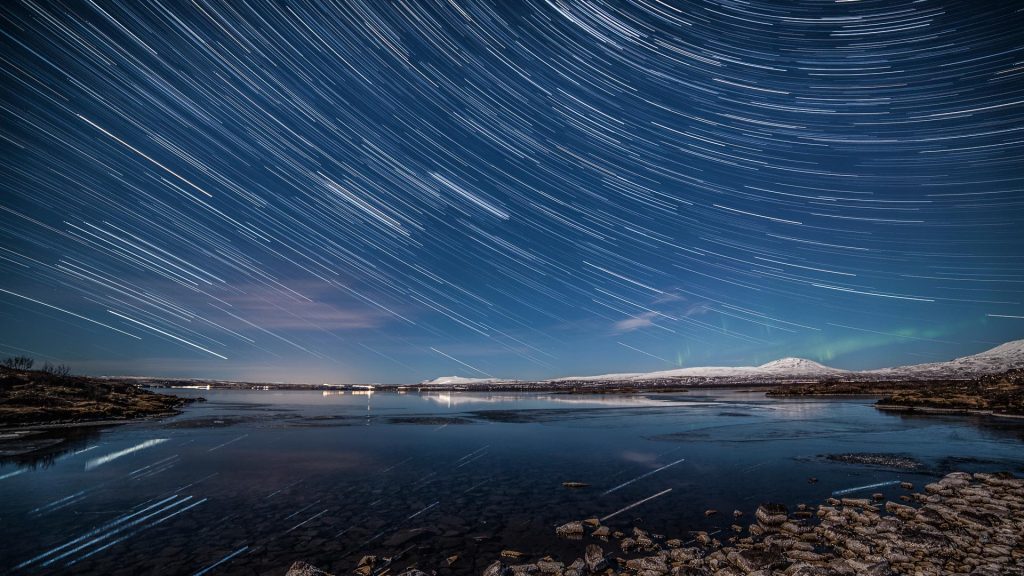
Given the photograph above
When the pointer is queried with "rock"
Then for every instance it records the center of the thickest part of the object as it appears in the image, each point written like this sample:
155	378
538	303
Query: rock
805	569
365	565
962	525
771	514
654	564
805	555
548	565
859	503
906	485
593	557
303	569
710	513
511	554
570	529
593	522
575	484
524	569
452	559
602	532
496	568
754	559
627	544
737	514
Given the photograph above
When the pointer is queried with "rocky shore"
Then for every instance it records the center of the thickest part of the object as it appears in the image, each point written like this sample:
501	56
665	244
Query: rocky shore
34	398
962	524
996	394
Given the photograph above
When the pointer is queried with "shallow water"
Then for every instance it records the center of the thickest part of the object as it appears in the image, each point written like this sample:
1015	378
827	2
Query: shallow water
250	481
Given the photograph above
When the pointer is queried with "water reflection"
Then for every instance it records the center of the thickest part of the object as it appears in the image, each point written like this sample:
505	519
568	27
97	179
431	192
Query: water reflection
286	475
43	448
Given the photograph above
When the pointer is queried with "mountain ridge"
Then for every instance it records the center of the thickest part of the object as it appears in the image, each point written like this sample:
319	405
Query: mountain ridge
998	359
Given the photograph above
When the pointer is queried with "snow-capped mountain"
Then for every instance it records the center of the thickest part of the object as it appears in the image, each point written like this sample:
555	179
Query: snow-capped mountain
798	367
783	368
999	359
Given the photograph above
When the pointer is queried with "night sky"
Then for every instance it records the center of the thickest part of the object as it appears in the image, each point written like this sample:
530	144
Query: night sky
386	191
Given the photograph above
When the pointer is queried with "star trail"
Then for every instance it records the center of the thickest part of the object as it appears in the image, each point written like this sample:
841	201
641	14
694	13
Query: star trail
359	191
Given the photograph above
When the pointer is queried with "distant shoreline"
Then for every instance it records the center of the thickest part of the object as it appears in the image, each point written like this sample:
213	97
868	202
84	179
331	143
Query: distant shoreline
684	384
997	394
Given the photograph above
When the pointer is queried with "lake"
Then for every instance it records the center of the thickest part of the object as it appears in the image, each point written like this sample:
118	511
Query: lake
250	481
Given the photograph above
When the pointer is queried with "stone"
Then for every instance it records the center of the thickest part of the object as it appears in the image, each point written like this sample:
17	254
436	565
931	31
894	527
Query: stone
627	544
654	564
550	566
365	565
570	529
511	554
593	557
303	569
771	514
496	568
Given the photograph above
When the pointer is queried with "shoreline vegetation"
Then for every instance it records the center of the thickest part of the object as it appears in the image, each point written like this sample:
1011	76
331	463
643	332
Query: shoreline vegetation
962	524
44	413
39	398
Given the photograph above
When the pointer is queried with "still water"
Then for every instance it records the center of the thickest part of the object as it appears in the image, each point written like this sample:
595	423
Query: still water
250	481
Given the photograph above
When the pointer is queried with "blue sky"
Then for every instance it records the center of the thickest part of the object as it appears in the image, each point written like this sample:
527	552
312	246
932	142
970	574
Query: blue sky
387	192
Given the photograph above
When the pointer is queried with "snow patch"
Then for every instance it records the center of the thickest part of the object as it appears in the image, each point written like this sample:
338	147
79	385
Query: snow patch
457	380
